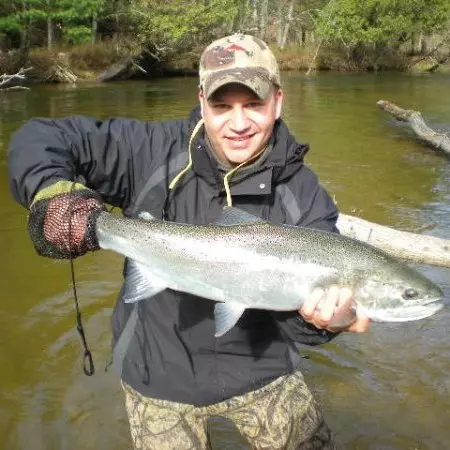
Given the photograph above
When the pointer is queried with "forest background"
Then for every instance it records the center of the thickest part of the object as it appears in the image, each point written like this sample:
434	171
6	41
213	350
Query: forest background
83	38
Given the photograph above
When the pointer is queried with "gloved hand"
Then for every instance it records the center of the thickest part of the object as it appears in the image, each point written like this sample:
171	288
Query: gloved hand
62	220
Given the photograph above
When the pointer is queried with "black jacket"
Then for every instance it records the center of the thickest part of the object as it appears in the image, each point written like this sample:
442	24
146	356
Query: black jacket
173	353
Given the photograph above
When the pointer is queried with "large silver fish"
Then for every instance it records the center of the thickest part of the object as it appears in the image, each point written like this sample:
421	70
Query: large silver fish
244	262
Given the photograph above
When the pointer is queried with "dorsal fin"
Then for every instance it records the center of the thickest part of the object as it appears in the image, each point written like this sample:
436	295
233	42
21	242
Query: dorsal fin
145	215
235	216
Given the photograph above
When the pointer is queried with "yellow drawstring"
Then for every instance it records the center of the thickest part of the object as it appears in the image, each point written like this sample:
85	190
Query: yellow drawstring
227	175
189	165
232	171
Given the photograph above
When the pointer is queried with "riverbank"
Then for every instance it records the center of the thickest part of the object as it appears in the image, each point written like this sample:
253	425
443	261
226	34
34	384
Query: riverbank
107	60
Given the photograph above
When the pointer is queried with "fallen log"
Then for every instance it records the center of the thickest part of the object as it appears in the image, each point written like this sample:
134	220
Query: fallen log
11	81
120	70
440	141
409	246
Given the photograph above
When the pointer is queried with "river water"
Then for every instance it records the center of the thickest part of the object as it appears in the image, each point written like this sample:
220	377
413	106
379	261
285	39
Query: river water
386	389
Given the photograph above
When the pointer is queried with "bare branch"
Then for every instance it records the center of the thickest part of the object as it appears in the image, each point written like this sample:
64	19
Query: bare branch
138	67
319	45
440	141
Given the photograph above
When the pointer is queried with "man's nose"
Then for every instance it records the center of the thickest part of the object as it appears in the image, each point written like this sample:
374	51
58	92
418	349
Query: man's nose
239	120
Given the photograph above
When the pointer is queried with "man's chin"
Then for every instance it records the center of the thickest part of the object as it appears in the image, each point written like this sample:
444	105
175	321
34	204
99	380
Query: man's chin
236	157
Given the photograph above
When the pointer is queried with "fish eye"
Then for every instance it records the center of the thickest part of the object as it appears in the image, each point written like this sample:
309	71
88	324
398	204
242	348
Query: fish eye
410	294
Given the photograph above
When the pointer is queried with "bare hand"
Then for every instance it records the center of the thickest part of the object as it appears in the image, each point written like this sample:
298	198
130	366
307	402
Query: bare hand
337	304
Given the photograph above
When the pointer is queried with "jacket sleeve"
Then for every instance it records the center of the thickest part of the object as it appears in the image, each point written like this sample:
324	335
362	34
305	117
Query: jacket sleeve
315	209
296	329
110	156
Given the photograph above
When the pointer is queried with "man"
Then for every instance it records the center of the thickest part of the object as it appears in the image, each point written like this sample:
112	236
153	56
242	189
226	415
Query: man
234	149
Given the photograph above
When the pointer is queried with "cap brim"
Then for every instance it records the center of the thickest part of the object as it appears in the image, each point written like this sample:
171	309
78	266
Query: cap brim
255	79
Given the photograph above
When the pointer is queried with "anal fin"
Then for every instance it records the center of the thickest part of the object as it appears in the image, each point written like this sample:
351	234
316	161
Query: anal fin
226	315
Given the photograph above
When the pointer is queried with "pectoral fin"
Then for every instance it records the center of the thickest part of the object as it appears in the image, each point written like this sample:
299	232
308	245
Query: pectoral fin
226	315
139	283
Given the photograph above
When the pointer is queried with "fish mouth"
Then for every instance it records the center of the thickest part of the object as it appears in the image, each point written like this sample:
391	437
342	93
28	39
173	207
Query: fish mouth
407	313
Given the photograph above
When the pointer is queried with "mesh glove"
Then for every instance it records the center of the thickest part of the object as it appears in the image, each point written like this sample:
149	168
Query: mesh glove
62	220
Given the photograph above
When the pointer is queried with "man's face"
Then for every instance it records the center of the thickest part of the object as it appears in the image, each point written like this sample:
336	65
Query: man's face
238	123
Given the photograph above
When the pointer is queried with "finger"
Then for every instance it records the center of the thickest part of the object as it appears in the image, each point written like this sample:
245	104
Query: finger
311	304
345	298
329	305
344	314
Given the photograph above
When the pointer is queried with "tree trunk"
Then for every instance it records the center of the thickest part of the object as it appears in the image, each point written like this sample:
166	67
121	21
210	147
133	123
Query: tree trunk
313	61
263	19
49	34
255	12
287	25
24	39
414	247
280	23
94	28
439	141
240	19
24	44
416	43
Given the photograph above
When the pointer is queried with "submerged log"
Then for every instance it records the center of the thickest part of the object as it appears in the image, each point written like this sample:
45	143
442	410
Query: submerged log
409	246
439	141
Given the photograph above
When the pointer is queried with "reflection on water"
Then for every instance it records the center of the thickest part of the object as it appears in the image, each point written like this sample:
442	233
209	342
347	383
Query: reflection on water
388	389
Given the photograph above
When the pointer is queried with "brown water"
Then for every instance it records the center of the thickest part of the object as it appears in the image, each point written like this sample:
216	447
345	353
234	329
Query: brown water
387	389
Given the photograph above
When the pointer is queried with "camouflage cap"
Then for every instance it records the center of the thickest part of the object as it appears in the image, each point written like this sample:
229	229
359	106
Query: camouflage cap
242	59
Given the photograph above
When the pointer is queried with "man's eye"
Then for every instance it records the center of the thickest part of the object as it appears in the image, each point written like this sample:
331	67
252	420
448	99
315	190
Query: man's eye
254	105
219	106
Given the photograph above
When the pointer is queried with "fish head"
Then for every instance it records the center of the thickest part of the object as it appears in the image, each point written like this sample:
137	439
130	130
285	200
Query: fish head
398	293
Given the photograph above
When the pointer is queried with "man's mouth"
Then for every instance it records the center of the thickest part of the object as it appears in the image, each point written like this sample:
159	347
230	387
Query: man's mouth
240	142
240	138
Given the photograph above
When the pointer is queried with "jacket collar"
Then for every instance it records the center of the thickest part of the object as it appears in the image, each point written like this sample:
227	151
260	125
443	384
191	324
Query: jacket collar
281	162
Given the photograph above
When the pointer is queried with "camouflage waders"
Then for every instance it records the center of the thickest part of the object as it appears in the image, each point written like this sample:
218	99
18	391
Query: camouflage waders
281	415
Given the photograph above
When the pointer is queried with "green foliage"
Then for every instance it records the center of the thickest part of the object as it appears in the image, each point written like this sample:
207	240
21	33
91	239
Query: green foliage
16	14
10	23
175	24
71	11
356	22
73	16
77	34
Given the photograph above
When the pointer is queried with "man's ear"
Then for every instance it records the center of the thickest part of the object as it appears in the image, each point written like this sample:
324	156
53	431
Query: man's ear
279	96
201	99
